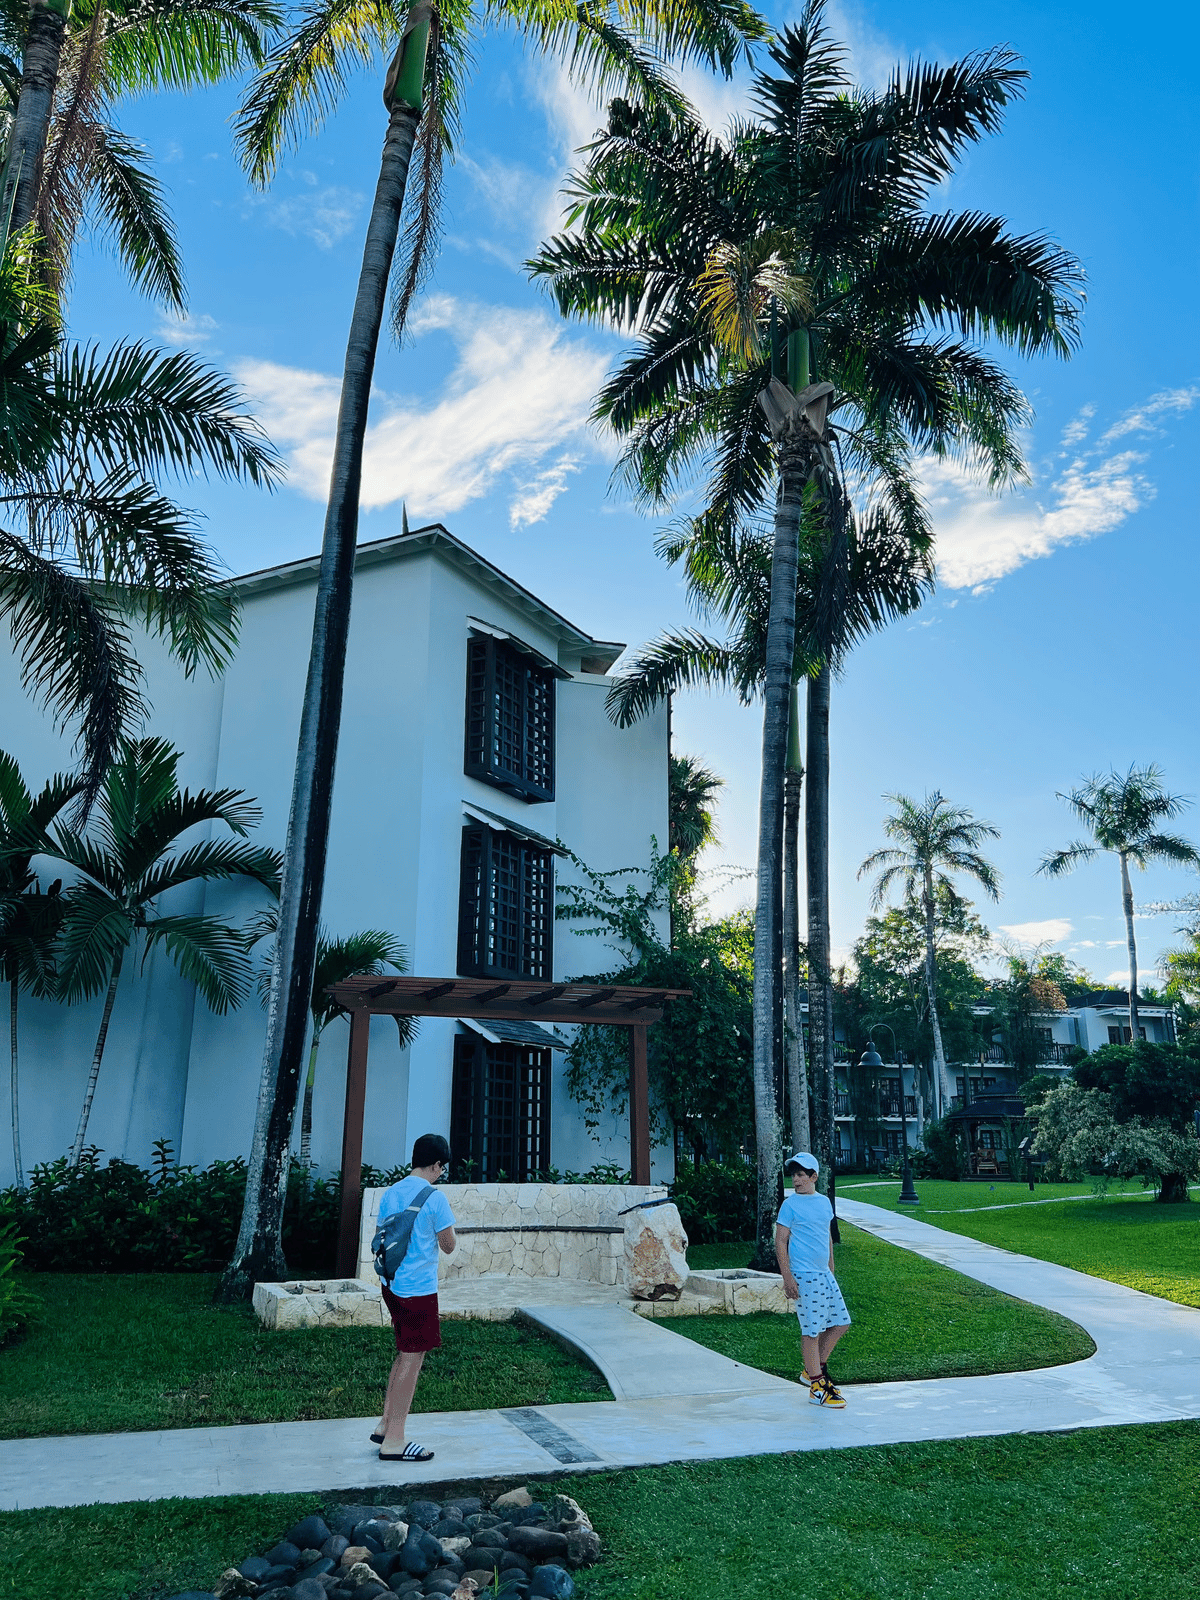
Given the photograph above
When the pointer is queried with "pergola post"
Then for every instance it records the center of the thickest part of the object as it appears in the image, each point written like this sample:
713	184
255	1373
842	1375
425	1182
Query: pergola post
639	1106
346	1265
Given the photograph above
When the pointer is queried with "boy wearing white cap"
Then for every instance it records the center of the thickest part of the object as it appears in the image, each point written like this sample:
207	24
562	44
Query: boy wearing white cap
804	1250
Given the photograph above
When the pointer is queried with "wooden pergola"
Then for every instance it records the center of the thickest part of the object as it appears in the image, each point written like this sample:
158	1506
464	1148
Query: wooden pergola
479	998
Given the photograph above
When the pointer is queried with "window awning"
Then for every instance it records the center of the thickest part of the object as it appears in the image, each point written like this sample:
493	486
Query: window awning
476	625
496	1031
499	824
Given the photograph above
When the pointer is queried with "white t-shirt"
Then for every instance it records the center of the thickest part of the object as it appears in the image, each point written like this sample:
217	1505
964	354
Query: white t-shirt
418	1272
808	1216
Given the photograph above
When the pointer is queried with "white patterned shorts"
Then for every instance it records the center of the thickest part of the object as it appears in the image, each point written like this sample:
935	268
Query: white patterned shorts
820	1305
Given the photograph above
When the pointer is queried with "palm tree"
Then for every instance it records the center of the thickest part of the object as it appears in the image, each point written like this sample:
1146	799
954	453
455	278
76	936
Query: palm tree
885	575
366	954
134	854
29	918
88	540
803	247
64	158
692	797
1122	812
932	840
611	43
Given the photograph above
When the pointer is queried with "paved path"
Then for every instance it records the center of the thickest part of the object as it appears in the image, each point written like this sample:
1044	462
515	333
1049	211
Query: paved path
1146	1369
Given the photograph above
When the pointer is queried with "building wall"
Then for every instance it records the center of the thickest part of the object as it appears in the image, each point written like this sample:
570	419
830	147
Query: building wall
172	1069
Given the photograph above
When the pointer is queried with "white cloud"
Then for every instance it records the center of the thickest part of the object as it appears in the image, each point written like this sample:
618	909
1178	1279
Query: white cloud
191	328
1051	931
981	536
520	390
1120	978
871	57
1146	417
323	215
1077	429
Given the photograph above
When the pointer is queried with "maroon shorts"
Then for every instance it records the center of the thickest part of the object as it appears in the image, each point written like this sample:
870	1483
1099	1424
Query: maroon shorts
414	1322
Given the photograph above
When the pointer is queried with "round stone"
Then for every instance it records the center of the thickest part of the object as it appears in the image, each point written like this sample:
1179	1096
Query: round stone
424	1512
310	1534
552	1583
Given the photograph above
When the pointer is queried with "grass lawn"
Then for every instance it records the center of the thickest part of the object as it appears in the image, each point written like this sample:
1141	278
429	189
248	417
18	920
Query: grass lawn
111	1353
1107	1513
912	1319
1126	1238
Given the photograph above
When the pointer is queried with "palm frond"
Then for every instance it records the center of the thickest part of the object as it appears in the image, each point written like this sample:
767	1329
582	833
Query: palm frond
674	661
131	210
1056	863
178	44
208	953
95	931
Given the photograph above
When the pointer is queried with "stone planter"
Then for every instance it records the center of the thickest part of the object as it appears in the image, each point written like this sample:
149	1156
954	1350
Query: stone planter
324	1303
727	1291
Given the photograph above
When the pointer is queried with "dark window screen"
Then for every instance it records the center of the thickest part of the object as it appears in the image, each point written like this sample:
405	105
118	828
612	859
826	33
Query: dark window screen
510	719
506	914
500	1109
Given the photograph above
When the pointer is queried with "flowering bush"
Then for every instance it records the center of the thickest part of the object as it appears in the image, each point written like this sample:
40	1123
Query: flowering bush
1080	1136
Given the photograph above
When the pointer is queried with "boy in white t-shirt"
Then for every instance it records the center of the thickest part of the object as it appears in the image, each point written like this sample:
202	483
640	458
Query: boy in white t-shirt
804	1250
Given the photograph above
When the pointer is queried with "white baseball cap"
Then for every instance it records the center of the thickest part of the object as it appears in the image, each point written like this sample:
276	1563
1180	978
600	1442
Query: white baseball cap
803	1158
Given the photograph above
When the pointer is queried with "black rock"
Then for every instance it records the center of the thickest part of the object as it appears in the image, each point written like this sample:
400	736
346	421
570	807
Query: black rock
368	1591
451	1563
276	1591
340	1592
310	1534
403	1583
276	1577
283	1555
450	1528
334	1546
195	1594
552	1583
480	1519
411	1557
538	1543
255	1568
320	1567
424	1513
431	1549
489	1537
370	1528
308	1589
383	1562
469	1507
531	1514
513	1591
369	1541
346	1517
307	1557
439	1585
511	1561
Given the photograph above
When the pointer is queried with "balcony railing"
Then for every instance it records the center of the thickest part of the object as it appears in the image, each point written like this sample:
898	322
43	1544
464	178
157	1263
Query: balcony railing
891	1108
843	1106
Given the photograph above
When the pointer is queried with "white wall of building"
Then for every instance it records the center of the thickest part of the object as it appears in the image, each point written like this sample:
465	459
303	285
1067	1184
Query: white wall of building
172	1069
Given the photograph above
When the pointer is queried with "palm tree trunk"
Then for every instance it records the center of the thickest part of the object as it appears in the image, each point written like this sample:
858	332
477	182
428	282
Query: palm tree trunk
780	657
939	1054
18	1169
820	982
97	1056
259	1250
1127	907
797	1075
31	124
306	1110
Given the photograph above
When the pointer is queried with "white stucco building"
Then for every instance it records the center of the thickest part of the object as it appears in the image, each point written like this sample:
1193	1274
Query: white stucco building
474	748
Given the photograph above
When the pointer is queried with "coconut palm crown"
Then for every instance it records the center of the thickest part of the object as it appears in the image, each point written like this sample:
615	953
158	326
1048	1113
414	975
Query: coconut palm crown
1123	813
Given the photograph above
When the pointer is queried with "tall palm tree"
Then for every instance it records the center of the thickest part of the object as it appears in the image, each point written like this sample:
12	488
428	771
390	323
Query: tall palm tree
879	574
29	918
933	840
802	247
89	542
608	44
367	954
65	159
1122	812
692	796
134	853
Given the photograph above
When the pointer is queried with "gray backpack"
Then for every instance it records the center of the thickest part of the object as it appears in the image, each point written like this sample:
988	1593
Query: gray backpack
390	1244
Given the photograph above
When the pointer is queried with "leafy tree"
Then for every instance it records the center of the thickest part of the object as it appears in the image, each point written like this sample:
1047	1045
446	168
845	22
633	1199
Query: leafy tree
931	840
606	44
133	855
1020	1005
802	247
1123	812
29	918
89	542
65	160
691	801
1080	1136
699	1055
1071	980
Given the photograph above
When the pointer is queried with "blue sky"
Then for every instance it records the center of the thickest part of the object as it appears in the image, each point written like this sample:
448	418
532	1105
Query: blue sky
1063	635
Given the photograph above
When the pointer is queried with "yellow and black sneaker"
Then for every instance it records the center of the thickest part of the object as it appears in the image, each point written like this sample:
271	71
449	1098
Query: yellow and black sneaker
823	1393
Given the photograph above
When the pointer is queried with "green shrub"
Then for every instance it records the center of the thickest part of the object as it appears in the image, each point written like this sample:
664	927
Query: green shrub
944	1155
17	1305
716	1201
125	1218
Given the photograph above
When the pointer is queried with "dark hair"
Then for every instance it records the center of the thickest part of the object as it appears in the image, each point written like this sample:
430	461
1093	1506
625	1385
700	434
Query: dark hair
430	1147
795	1166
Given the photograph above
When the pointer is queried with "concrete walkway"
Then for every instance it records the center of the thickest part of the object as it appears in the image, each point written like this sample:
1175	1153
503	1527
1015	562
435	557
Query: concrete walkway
680	1403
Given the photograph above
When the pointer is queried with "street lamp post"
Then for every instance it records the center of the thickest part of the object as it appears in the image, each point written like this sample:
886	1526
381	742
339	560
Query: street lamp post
871	1058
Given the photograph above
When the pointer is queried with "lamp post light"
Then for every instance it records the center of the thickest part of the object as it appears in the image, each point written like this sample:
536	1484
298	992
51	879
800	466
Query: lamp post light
871	1058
